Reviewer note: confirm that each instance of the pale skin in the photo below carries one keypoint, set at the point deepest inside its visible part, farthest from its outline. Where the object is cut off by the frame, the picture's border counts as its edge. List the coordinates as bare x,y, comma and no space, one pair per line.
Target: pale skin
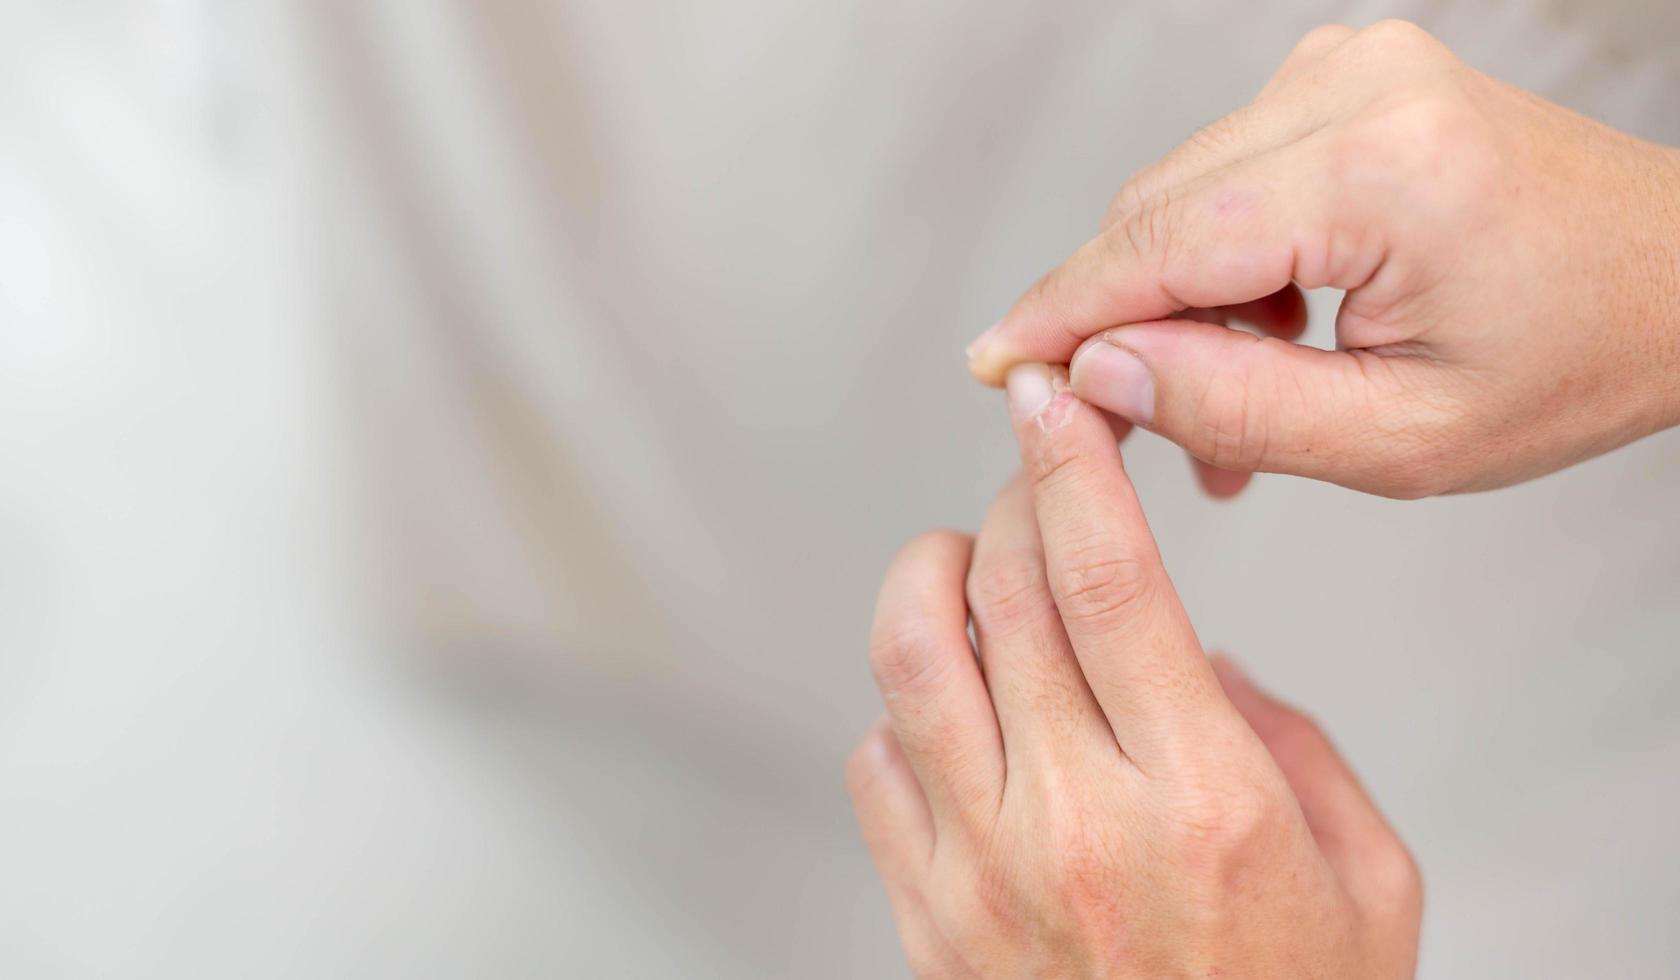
1512,273
1081,791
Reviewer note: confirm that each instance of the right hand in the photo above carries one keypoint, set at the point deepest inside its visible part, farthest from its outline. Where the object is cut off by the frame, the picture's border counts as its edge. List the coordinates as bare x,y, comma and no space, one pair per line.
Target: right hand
1512,274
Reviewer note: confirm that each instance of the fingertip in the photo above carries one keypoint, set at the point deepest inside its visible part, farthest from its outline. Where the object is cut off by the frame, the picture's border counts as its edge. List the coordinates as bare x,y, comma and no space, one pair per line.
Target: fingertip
1220,484
1231,675
989,361
892,809
928,553
1247,697
979,343
868,758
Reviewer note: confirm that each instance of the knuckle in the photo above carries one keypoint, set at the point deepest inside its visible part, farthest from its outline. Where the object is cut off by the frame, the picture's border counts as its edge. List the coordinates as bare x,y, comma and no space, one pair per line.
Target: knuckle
1148,230
1046,297
1084,874
1127,199
1430,147
905,650
1009,591
1099,589
1041,294
1430,124
1391,878
1321,37
1400,37
1429,118
906,658
1221,824
1313,47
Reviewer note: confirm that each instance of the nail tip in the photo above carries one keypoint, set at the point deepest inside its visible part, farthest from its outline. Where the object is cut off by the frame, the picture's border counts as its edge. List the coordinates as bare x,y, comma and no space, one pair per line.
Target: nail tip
983,357
990,367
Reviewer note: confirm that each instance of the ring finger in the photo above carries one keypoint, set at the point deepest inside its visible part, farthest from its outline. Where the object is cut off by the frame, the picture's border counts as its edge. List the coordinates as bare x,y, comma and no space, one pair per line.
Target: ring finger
1029,665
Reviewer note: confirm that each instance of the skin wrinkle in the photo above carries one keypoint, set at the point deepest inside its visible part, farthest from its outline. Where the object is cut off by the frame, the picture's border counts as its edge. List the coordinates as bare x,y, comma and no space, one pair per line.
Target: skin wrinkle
1012,610
1501,327
1445,146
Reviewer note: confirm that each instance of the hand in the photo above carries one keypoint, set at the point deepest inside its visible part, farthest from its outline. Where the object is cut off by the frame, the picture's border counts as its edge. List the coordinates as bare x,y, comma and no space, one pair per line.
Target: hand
1512,274
1087,797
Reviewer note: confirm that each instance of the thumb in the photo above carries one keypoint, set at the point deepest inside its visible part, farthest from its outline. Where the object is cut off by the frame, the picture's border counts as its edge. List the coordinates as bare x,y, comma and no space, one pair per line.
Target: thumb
1246,403
1366,854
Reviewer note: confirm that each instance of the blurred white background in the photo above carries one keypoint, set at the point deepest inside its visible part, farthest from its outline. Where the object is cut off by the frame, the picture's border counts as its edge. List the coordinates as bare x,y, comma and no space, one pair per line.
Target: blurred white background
448,451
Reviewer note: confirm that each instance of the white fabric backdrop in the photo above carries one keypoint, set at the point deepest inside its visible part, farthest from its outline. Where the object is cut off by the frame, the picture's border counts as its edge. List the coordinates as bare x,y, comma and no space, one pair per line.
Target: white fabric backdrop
447,454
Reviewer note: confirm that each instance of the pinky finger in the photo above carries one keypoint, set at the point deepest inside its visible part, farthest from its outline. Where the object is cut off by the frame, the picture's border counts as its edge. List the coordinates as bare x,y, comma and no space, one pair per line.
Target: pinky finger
892,810
897,827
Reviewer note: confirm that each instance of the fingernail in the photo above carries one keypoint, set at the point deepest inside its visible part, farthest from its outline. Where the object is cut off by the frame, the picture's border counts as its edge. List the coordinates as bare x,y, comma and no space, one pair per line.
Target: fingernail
1114,379
1029,389
979,343
986,360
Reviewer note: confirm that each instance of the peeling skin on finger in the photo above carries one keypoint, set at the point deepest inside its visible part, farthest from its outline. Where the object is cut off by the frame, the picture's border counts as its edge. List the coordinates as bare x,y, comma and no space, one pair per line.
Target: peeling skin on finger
1040,393
1059,411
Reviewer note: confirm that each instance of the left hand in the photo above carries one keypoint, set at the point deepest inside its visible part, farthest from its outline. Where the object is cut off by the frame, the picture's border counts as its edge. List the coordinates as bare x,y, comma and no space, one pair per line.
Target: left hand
1089,796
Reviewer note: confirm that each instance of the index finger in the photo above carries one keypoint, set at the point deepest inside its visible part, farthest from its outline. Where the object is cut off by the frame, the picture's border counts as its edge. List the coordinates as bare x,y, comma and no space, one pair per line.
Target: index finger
1132,638
1222,239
